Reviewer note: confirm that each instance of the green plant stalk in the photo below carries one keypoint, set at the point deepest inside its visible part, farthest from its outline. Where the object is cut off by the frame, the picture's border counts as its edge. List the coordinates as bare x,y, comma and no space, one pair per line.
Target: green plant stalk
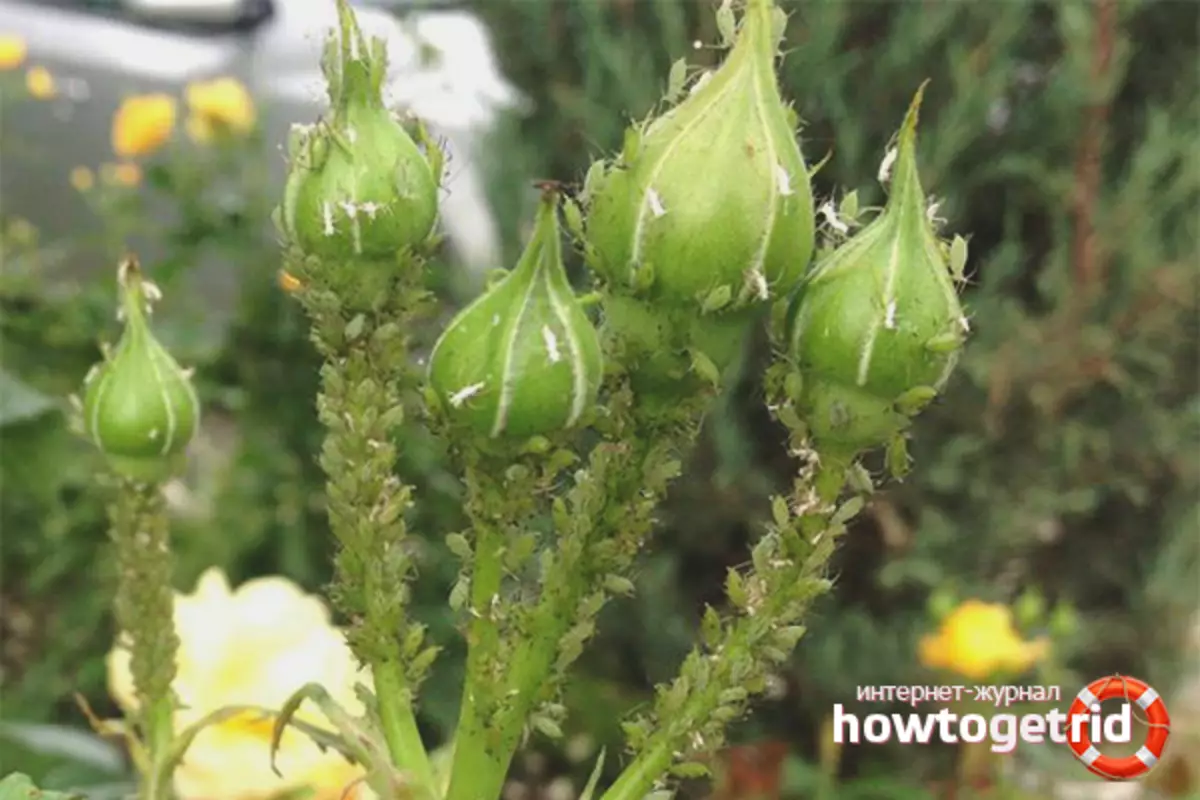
480,757
144,607
361,406
610,517
744,650
506,490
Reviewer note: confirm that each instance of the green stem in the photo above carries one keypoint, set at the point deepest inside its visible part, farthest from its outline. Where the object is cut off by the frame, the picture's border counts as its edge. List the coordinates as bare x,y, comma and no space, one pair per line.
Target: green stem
400,730
145,613
741,653
482,750
361,406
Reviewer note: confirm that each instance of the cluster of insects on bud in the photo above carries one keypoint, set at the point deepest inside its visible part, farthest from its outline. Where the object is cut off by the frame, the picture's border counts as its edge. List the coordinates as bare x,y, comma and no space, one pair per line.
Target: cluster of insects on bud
709,205
359,187
876,326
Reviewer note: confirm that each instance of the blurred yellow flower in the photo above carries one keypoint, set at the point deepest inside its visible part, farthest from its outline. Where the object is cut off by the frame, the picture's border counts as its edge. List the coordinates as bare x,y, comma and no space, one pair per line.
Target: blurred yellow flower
979,640
252,646
143,124
125,174
12,51
82,179
40,83
218,106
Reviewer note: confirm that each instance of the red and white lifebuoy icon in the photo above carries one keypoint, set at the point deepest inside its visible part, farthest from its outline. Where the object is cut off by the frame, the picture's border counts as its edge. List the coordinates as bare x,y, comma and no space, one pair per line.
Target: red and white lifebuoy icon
1131,690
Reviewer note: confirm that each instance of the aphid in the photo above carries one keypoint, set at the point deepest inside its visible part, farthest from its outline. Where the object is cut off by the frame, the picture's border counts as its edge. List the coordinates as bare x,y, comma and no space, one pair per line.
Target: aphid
831,217
464,394
676,80
726,25
958,258
885,167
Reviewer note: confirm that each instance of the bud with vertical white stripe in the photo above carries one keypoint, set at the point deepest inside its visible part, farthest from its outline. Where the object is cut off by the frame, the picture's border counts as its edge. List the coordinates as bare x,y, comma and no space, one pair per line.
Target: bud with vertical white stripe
358,186
709,205
876,327
523,359
139,405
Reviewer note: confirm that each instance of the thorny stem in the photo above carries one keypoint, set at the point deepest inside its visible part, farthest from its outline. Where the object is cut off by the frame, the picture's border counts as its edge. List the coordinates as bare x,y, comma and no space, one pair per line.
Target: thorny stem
145,614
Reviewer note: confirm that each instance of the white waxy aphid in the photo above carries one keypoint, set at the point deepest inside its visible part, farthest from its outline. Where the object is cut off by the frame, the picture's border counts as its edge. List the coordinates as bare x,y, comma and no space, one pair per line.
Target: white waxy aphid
931,213
351,135
370,209
552,351
832,218
885,167
783,181
656,206
889,316
327,217
464,394
760,284
349,208
962,323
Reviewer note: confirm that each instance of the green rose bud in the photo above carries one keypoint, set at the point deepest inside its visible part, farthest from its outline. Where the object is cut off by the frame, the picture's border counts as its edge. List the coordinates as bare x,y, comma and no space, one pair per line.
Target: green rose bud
523,359
139,406
876,326
710,205
359,186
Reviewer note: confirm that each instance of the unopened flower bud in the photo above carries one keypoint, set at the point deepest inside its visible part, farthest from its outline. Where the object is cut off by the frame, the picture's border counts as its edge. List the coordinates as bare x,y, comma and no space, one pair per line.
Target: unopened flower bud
359,186
523,359
139,405
876,326
710,204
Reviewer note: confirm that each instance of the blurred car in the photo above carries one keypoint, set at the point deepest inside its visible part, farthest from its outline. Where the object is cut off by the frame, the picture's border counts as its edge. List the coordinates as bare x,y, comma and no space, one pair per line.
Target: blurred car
441,68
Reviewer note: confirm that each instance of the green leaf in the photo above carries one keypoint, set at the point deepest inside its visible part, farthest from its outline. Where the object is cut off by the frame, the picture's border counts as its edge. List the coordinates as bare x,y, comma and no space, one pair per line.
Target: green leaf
76,746
590,789
355,742
18,786
19,401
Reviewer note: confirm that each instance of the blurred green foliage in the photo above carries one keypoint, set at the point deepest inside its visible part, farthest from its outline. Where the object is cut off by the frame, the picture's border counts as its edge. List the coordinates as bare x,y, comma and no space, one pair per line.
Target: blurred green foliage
1061,463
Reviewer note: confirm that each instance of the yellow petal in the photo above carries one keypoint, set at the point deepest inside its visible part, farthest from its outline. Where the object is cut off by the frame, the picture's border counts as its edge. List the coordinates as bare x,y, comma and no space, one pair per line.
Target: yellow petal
12,51
932,652
40,83
143,124
222,103
120,678
255,646
289,282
